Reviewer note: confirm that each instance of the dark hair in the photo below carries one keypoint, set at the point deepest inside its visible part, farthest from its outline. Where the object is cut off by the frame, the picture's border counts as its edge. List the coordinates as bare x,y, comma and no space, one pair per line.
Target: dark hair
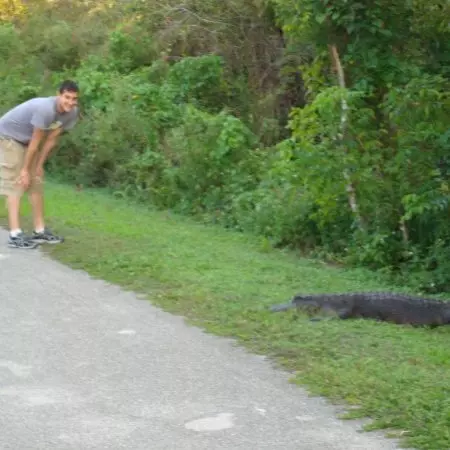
68,85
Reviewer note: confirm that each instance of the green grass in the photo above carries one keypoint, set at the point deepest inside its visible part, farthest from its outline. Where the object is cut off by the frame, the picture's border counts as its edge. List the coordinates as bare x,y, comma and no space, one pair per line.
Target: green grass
224,281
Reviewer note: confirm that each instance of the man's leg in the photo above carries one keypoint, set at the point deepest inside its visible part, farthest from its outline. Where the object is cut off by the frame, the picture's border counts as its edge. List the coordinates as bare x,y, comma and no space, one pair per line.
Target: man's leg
13,205
11,158
36,198
41,234
17,239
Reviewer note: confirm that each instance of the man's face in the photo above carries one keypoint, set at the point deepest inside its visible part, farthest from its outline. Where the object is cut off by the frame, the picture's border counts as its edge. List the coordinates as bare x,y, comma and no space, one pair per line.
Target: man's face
67,100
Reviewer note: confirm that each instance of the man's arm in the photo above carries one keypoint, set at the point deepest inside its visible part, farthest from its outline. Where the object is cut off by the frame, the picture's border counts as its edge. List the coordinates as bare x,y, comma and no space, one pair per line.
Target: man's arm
33,146
40,121
53,137
50,143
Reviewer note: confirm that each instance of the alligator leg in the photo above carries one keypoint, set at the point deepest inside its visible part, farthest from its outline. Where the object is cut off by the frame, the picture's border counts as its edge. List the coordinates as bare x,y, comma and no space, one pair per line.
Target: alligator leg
344,313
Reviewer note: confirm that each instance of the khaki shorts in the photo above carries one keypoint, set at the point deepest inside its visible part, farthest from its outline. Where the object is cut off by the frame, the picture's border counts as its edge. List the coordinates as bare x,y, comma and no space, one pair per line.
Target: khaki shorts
12,155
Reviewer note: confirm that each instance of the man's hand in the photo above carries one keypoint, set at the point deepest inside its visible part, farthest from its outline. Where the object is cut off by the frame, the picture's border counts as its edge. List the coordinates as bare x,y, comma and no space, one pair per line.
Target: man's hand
24,179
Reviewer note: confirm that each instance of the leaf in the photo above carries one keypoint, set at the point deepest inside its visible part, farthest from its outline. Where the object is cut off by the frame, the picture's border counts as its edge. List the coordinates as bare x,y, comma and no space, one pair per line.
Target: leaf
321,18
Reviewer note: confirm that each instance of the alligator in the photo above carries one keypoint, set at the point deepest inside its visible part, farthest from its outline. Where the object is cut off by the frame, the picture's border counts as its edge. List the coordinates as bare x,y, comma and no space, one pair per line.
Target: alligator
381,306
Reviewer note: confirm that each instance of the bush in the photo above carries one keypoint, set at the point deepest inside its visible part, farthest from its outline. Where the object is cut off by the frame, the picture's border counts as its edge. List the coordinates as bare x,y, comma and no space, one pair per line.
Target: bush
184,108
219,148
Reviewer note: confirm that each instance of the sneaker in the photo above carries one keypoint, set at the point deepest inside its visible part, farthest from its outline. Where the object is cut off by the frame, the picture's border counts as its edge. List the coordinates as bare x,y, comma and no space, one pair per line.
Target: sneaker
46,237
21,241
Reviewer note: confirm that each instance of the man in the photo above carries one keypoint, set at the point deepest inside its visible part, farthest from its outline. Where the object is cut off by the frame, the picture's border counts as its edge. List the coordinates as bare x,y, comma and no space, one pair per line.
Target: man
22,130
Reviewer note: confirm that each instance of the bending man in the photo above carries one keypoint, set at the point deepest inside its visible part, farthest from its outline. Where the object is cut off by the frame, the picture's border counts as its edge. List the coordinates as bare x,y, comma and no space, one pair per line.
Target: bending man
23,129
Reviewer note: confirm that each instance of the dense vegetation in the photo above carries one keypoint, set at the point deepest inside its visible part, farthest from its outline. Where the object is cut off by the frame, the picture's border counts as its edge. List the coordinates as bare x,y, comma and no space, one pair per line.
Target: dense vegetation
322,125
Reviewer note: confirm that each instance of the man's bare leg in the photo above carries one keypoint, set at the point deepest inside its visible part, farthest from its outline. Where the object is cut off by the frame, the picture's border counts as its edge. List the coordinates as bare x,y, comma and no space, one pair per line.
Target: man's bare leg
13,205
41,234
37,205
17,238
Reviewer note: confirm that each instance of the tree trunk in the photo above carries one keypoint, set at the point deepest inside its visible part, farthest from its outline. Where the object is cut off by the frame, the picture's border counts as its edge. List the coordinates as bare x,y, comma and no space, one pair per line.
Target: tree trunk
350,188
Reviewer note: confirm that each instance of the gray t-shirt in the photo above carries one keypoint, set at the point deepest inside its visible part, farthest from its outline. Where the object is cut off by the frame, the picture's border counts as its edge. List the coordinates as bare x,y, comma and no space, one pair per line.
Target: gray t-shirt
40,112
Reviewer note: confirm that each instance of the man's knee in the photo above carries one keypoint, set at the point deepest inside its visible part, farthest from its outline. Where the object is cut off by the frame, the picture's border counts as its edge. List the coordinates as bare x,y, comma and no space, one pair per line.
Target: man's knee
36,185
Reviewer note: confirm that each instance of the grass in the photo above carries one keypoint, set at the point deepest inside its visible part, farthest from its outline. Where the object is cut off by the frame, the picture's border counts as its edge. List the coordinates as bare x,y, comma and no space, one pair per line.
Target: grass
223,281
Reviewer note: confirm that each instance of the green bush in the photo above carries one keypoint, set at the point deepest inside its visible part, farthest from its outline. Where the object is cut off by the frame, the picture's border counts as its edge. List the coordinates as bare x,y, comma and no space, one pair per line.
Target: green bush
198,81
217,146
131,48
185,108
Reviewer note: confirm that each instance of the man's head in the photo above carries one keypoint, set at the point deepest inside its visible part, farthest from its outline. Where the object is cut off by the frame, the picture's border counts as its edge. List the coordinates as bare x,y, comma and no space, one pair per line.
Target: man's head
67,96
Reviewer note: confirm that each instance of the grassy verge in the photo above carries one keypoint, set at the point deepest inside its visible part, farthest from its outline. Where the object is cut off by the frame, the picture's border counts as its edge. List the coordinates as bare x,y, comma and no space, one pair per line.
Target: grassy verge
223,281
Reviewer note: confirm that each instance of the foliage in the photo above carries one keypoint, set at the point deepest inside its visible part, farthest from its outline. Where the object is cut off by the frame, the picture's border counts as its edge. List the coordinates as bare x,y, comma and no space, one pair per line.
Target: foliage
396,136
239,113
